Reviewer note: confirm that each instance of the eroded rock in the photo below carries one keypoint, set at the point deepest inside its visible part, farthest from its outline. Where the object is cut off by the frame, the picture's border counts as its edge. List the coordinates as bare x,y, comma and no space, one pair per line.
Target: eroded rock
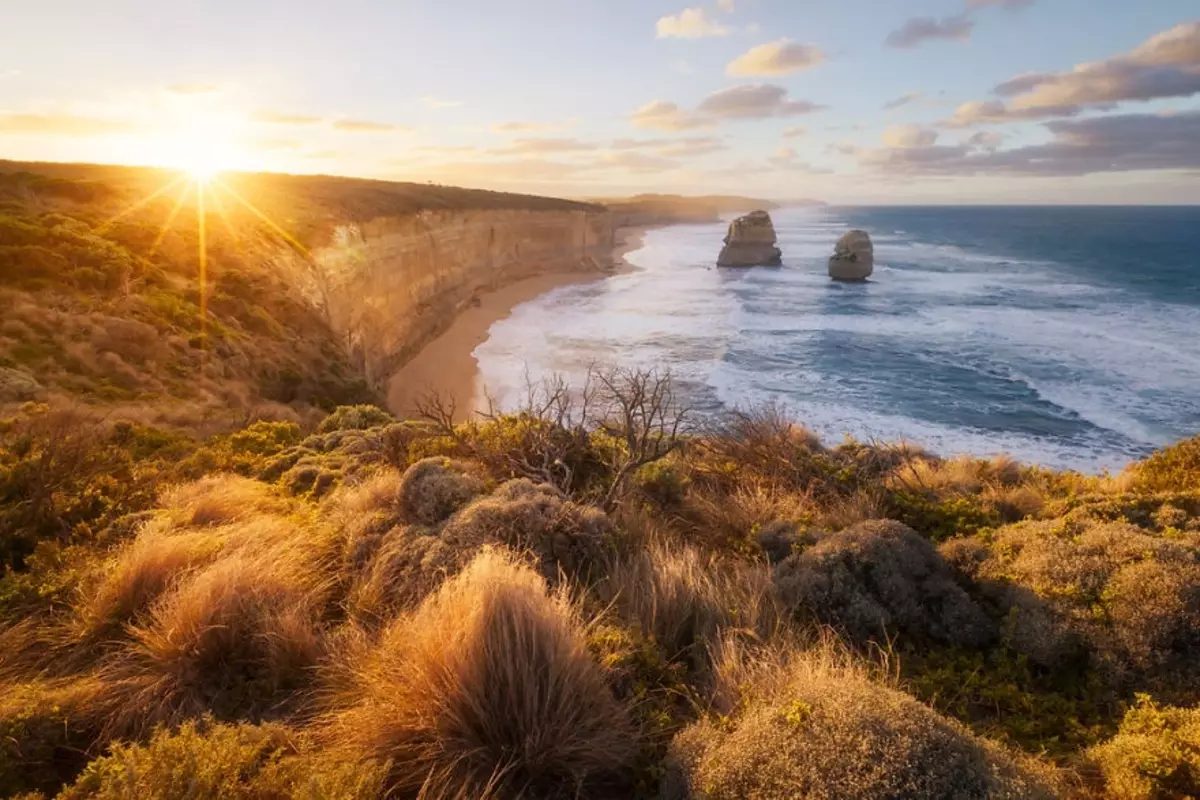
751,243
853,257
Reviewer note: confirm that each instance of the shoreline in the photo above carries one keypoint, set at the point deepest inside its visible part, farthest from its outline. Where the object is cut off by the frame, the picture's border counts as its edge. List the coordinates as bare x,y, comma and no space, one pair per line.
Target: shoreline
447,366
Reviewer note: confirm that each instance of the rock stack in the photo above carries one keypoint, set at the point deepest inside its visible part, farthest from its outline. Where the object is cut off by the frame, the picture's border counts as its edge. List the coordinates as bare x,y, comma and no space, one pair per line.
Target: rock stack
853,257
751,243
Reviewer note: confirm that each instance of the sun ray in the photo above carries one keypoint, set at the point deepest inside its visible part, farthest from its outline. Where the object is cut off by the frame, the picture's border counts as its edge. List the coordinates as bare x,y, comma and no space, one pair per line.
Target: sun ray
203,247
166,226
270,222
143,202
219,204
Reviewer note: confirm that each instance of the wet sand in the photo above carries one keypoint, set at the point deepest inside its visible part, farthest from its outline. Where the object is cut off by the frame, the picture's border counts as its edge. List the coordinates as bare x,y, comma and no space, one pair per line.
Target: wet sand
446,367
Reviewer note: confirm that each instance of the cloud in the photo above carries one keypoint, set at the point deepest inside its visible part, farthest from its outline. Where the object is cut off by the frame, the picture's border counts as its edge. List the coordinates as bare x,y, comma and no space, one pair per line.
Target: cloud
691,23
1009,4
1117,143
921,29
986,140
755,101
903,100
906,136
782,57
62,125
193,88
429,101
728,6
660,115
531,146
271,117
457,149
367,126
1165,65
674,147
795,132
321,154
637,162
523,127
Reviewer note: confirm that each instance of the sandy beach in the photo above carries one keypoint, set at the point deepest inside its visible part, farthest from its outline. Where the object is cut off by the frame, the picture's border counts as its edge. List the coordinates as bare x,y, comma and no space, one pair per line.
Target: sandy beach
447,366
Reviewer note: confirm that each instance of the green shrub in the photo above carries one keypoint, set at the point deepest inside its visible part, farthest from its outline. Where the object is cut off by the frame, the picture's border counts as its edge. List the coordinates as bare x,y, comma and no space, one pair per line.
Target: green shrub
46,731
359,418
1155,754
434,488
941,518
1174,468
208,761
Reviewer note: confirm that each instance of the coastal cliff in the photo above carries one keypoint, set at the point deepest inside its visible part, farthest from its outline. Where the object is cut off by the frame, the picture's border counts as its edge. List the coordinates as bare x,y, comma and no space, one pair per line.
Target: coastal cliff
390,285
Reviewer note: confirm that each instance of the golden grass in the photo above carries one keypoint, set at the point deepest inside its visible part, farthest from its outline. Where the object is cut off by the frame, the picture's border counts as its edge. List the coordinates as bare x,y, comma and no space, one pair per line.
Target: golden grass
488,690
237,639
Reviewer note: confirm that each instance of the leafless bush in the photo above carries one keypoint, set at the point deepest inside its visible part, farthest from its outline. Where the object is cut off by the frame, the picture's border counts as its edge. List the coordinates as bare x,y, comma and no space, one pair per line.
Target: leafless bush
552,436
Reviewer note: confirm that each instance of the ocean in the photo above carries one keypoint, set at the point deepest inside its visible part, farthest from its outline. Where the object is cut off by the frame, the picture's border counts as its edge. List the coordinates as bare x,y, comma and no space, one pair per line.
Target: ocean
1064,336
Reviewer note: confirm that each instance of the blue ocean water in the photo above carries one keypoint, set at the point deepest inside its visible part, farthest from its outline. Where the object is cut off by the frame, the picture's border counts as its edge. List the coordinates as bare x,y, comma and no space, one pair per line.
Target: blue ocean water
1066,336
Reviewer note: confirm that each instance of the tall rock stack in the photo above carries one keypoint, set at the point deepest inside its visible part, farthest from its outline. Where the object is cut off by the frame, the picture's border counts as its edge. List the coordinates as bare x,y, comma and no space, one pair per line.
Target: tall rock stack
751,243
853,257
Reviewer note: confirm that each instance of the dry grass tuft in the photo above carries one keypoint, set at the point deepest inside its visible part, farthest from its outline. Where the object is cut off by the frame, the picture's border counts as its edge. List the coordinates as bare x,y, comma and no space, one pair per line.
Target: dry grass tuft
563,535
221,499
488,690
434,488
137,577
818,726
688,601
237,639
879,578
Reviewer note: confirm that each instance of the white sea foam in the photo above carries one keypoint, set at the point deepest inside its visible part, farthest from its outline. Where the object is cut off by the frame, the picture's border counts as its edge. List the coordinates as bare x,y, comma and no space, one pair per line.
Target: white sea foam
959,350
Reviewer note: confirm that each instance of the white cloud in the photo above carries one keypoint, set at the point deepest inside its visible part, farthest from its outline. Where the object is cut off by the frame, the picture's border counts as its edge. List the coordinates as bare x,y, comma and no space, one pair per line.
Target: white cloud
795,132
755,101
921,29
782,57
728,6
660,115
909,136
691,23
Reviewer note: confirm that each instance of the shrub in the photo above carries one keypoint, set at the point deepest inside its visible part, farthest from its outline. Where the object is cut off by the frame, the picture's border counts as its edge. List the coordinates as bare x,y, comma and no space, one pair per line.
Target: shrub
357,418
237,639
488,690
434,488
46,731
212,761
1174,468
521,515
1155,754
880,577
819,727
1132,595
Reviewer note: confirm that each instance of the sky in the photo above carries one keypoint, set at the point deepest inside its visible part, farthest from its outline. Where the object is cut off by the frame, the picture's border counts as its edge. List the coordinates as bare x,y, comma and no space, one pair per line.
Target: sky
853,101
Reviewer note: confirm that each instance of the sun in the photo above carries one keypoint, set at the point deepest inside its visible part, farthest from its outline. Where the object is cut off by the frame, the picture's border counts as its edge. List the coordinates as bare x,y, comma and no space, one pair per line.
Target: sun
202,149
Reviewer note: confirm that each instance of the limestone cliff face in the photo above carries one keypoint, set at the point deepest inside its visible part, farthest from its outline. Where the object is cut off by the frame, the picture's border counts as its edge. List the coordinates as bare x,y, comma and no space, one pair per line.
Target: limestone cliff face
390,285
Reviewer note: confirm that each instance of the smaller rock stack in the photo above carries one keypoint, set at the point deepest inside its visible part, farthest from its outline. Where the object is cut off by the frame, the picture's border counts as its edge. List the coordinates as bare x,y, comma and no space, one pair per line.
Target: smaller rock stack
853,257
751,243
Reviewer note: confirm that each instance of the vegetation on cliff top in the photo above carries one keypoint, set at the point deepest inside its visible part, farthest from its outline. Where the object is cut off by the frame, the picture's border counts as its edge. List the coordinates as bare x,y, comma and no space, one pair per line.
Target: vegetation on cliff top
596,603
224,573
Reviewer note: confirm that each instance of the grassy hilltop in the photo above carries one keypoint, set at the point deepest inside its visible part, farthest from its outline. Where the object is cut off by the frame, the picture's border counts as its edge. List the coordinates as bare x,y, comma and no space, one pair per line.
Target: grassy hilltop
227,574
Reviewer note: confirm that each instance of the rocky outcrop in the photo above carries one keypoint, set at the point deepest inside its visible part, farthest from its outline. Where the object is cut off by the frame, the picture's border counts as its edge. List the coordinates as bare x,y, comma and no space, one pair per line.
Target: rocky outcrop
751,242
853,257
391,285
